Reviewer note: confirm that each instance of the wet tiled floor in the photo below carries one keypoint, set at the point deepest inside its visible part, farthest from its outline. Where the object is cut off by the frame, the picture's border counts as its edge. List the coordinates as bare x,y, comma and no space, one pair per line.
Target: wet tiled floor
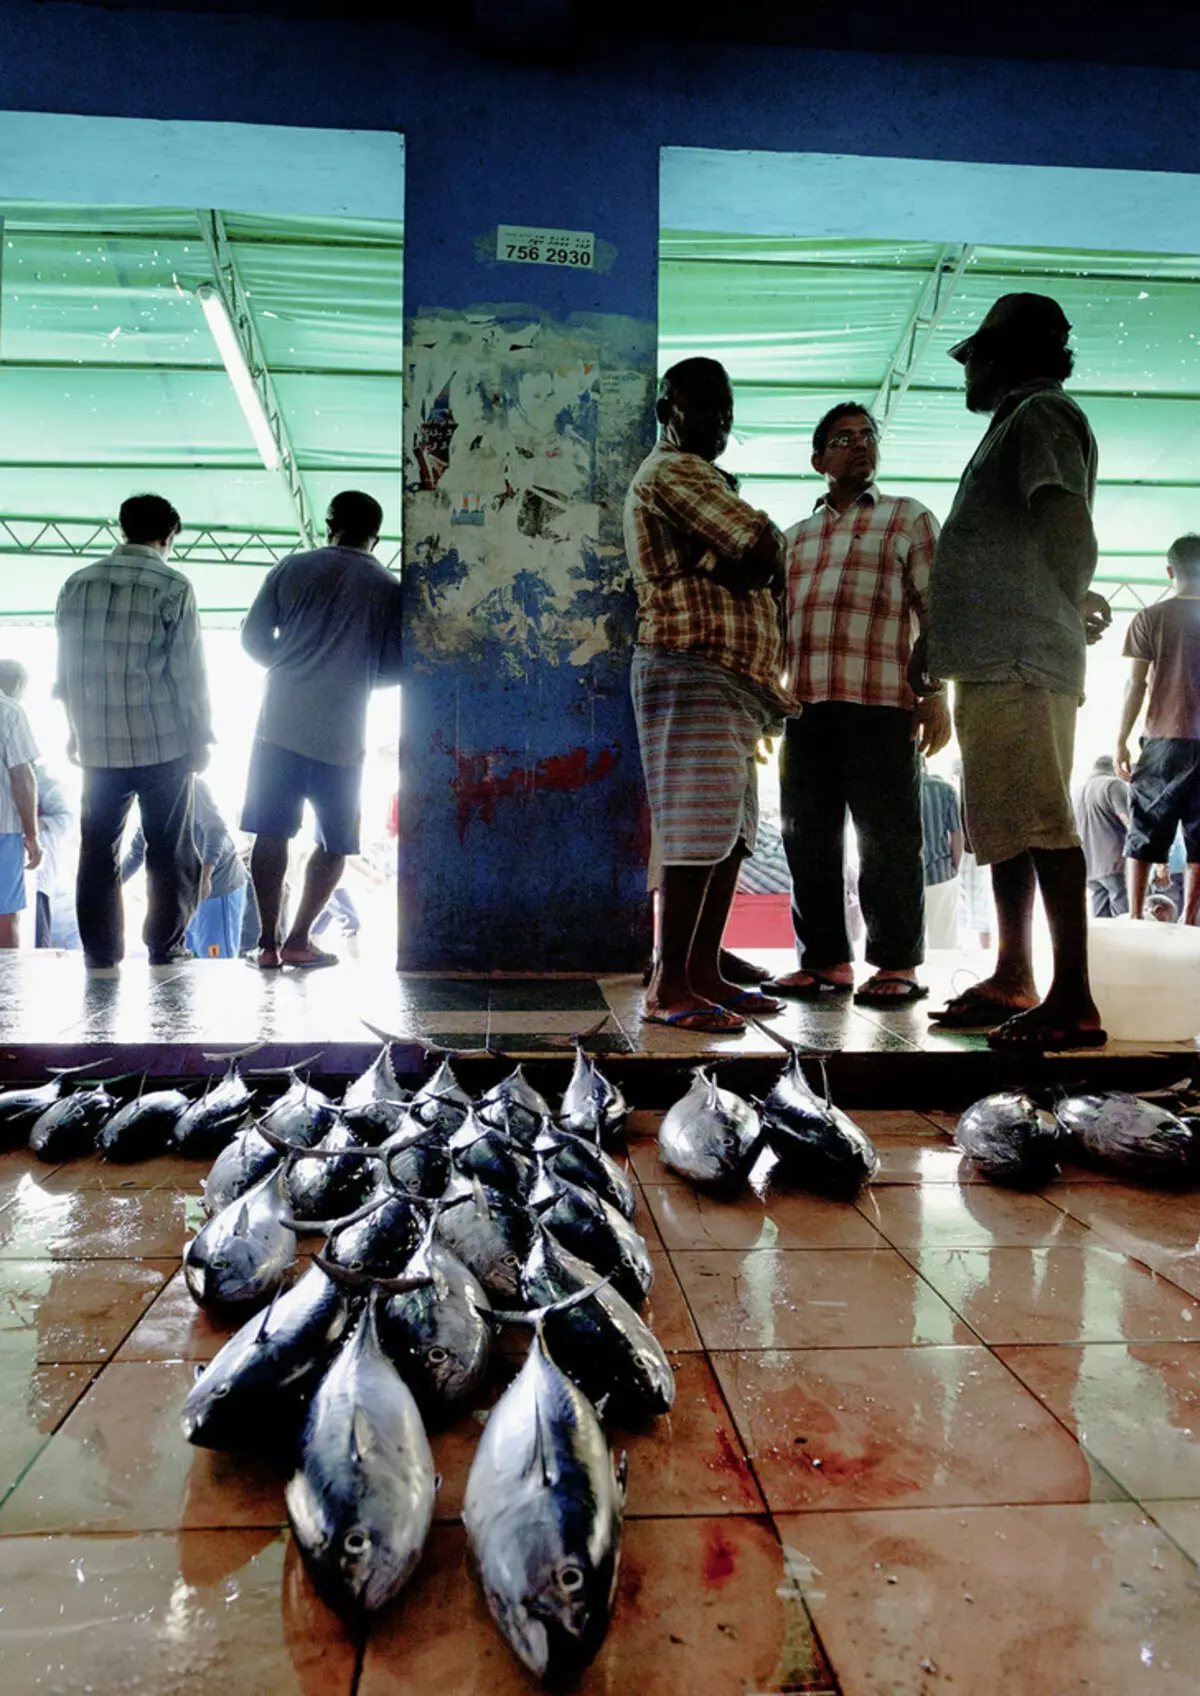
940,1440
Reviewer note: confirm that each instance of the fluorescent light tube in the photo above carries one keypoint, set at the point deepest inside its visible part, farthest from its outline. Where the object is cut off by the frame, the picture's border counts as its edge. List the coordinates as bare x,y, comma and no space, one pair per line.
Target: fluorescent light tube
234,361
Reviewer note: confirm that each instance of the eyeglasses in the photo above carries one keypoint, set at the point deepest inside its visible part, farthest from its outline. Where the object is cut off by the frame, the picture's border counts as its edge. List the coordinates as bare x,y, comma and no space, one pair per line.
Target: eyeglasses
850,438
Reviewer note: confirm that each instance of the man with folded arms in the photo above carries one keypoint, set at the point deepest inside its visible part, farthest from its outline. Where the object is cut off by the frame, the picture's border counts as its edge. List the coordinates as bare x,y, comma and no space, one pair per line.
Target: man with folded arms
707,685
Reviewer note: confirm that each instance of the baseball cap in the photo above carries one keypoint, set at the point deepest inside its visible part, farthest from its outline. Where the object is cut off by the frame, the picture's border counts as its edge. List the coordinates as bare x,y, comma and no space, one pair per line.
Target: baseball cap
1015,315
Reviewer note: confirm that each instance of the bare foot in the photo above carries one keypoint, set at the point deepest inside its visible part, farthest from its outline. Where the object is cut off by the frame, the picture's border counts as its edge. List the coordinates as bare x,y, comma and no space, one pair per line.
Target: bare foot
1057,1023
890,983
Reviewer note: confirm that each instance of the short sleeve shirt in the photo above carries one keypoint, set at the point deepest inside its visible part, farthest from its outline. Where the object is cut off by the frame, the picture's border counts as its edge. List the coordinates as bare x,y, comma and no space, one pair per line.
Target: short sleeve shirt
999,613
17,748
940,819
1168,636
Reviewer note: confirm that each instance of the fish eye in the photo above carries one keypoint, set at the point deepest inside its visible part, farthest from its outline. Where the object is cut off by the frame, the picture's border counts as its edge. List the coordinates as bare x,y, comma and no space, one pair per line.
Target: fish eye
356,1265
570,1578
220,1390
356,1541
509,1260
437,1355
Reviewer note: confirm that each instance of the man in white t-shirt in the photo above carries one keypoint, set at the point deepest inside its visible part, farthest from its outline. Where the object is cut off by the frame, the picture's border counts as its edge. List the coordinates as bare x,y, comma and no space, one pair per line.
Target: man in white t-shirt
19,845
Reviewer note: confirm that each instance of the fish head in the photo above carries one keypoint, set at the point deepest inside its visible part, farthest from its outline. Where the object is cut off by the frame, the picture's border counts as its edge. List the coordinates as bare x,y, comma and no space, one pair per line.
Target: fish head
557,1618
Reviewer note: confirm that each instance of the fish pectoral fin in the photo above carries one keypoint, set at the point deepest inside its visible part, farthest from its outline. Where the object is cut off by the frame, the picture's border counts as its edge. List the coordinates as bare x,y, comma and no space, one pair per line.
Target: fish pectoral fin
362,1436
241,1225
621,1470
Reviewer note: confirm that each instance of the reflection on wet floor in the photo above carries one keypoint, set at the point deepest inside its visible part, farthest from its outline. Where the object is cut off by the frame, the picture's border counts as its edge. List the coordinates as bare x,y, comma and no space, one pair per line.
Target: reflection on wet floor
941,1438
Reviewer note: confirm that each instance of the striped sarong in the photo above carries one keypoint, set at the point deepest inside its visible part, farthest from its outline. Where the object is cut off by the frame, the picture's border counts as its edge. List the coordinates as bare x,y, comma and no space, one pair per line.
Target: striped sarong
698,727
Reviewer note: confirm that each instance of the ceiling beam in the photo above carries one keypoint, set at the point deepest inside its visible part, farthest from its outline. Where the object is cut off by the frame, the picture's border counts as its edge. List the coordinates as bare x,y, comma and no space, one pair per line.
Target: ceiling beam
228,284
930,308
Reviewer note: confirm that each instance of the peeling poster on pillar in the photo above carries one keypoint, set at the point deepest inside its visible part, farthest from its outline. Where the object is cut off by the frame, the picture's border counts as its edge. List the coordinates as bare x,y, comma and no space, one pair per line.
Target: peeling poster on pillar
522,435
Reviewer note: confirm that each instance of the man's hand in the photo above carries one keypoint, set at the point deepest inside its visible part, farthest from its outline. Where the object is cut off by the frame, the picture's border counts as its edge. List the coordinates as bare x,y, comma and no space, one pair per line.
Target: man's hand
931,724
1160,876
33,850
205,883
1096,614
1122,761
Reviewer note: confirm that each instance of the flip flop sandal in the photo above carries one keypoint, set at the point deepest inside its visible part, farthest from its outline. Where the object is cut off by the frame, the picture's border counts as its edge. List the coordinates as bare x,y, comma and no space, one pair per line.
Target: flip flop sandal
818,988
750,1001
970,1012
871,994
1040,1039
320,957
710,1021
254,959
736,970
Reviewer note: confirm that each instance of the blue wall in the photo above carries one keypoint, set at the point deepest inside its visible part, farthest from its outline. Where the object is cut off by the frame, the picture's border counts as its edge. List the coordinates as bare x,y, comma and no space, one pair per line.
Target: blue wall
552,877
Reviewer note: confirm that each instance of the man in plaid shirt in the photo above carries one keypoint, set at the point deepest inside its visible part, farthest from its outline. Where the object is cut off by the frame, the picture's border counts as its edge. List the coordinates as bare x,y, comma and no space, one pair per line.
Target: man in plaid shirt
707,683
858,578
131,676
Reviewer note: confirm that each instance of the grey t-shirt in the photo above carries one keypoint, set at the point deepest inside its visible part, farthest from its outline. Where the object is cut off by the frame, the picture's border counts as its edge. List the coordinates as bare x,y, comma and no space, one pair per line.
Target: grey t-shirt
998,612
1101,813
327,627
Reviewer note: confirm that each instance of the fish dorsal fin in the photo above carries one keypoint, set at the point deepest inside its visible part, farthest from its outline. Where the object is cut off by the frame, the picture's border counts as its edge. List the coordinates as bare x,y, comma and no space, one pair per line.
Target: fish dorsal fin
241,1225
712,1097
268,1314
543,1433
825,1083
481,1202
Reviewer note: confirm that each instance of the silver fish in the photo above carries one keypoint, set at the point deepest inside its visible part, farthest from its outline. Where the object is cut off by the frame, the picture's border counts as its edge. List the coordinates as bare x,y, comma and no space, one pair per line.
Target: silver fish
583,1162
379,1238
1011,1140
361,1502
254,1392
1135,1137
515,1106
322,1186
601,1344
211,1122
490,1233
377,1083
543,1511
143,1127
710,1136
244,1253
302,1114
440,1104
67,1128
435,1332
815,1144
597,1233
478,1150
240,1165
592,1107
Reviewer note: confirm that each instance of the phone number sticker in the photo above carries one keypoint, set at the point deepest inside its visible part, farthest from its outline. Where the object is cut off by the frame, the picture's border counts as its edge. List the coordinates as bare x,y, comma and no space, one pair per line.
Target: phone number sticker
517,245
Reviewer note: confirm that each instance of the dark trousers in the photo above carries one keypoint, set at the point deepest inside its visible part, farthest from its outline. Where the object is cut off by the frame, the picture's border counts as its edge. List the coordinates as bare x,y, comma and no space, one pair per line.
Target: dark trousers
164,797
838,758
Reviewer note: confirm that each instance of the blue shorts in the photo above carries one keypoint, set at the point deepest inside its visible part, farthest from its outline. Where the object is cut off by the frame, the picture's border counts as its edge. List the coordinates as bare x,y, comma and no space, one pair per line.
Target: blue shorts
280,782
12,872
215,932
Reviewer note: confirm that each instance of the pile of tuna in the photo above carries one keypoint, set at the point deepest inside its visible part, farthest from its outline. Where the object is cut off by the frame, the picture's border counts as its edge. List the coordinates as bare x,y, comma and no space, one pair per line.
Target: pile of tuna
444,1218
1013,1140
715,1139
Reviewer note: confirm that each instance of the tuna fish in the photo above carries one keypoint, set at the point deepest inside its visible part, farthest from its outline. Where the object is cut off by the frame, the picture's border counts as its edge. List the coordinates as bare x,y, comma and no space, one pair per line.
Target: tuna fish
416,1165
378,1082
143,1127
434,1330
333,1179
240,1165
302,1114
814,1143
20,1108
67,1128
710,1136
244,1253
514,1106
601,1344
491,1234
597,1233
361,1503
378,1239
212,1121
1135,1137
591,1106
1011,1140
255,1391
441,1103
479,1151
582,1162
543,1513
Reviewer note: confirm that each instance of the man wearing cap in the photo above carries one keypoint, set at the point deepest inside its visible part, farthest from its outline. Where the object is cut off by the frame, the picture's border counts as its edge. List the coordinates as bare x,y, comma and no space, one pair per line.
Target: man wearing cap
1011,613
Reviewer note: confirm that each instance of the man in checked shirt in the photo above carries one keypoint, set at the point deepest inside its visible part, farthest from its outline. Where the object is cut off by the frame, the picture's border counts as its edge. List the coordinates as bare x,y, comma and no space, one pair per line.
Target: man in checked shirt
131,676
858,577
707,683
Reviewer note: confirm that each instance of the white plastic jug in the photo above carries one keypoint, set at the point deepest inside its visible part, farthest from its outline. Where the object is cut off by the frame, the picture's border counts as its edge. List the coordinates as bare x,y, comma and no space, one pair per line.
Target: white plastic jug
1146,979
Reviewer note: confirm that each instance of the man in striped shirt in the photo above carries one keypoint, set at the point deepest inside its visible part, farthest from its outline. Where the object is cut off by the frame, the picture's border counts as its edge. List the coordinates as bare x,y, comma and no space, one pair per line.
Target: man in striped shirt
707,683
858,577
131,676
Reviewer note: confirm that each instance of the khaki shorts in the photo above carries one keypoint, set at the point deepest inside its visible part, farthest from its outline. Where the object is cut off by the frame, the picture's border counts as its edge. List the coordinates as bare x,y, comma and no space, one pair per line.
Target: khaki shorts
1017,745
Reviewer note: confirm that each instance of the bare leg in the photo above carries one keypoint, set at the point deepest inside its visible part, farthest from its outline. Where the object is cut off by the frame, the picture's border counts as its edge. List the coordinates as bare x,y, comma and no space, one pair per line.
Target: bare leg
321,877
1062,878
681,895
1191,894
9,931
268,868
704,970
1137,873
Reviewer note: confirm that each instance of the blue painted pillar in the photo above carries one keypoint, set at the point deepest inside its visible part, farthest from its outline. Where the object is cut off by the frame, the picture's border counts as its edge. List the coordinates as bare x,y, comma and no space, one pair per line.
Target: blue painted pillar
528,404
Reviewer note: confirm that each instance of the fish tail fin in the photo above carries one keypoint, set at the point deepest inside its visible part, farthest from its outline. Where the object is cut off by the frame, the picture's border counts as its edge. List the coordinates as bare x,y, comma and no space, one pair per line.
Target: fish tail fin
536,1316
368,1281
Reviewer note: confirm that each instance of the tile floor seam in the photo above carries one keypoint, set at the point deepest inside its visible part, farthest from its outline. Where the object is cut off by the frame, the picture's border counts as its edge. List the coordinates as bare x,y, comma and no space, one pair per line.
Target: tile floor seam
1147,1508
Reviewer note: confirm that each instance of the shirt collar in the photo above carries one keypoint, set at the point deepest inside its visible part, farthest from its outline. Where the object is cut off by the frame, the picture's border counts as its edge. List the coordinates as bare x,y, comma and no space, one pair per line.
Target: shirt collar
141,550
870,493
